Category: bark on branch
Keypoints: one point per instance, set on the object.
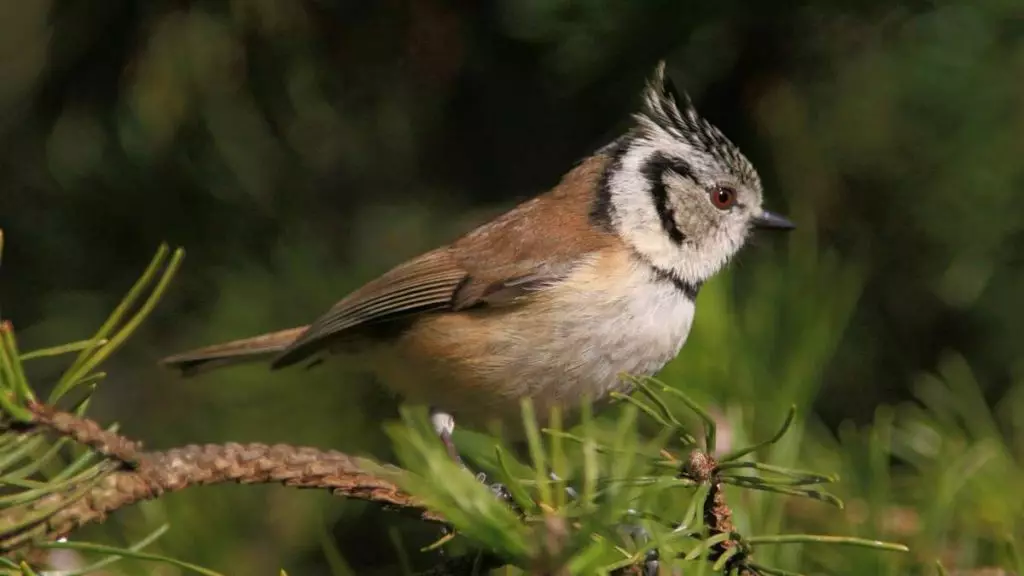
(136, 475)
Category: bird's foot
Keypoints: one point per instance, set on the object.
(444, 426)
(500, 491)
(651, 558)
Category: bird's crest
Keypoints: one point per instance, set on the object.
(664, 108)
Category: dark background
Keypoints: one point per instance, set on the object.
(297, 148)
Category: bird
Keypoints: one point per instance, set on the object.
(556, 298)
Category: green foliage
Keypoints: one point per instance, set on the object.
(630, 483)
(33, 467)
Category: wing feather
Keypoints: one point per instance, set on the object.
(420, 285)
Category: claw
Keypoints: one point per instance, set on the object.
(652, 558)
(651, 563)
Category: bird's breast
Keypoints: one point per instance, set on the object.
(566, 342)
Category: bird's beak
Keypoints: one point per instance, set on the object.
(772, 221)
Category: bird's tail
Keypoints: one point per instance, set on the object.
(241, 351)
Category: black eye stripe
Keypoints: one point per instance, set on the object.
(654, 173)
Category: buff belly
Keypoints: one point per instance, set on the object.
(570, 341)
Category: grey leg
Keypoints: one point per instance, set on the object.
(444, 426)
(651, 559)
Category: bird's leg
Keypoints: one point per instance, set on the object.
(444, 426)
(651, 559)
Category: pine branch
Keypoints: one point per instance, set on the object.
(86, 432)
(138, 475)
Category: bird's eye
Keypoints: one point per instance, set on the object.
(723, 197)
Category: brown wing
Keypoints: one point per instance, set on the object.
(262, 347)
(420, 285)
(500, 263)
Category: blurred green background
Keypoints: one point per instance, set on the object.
(296, 148)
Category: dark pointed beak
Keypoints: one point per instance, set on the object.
(772, 221)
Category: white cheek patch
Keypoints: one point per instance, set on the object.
(634, 214)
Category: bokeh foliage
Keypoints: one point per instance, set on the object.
(297, 148)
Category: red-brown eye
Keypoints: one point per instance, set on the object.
(723, 197)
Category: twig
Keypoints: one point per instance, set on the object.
(703, 468)
(147, 475)
(86, 432)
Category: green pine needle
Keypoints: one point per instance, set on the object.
(63, 349)
(127, 553)
(826, 539)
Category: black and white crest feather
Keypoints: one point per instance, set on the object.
(664, 108)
